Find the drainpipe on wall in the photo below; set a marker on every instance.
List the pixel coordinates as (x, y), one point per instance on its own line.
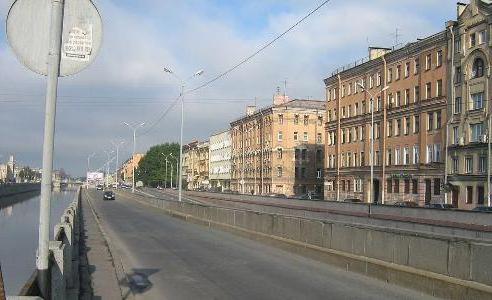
(449, 114)
(338, 135)
(383, 151)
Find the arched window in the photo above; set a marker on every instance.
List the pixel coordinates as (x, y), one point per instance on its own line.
(477, 68)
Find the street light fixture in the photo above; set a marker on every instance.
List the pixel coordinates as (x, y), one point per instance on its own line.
(371, 155)
(183, 83)
(134, 129)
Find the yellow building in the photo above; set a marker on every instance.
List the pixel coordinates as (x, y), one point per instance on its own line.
(126, 171)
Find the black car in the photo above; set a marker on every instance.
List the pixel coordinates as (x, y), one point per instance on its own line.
(108, 195)
(483, 208)
(440, 205)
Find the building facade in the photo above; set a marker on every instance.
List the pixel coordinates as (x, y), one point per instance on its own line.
(279, 149)
(220, 161)
(469, 111)
(126, 171)
(196, 165)
(408, 88)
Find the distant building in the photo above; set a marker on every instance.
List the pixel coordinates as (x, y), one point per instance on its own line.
(3, 173)
(126, 171)
(196, 165)
(220, 160)
(279, 149)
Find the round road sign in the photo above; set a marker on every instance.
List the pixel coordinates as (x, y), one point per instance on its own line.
(28, 30)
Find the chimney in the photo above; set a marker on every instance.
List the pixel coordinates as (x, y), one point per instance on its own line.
(460, 8)
(250, 110)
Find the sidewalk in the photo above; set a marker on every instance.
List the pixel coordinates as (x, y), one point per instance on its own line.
(98, 278)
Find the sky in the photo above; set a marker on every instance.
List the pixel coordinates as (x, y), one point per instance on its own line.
(126, 82)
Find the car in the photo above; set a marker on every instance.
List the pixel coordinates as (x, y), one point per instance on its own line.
(99, 187)
(406, 204)
(483, 208)
(308, 196)
(353, 200)
(109, 195)
(277, 195)
(440, 205)
(159, 187)
(115, 185)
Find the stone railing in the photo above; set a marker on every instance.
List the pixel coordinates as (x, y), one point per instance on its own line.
(64, 258)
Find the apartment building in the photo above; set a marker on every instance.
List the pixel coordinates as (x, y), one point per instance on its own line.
(220, 160)
(407, 86)
(469, 110)
(196, 165)
(279, 149)
(126, 171)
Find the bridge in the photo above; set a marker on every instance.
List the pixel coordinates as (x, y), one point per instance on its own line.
(149, 245)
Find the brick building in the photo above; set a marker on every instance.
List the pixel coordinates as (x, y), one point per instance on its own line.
(409, 88)
(279, 149)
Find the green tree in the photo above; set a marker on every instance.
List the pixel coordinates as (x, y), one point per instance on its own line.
(152, 168)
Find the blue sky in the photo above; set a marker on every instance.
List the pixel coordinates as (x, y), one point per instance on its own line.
(126, 82)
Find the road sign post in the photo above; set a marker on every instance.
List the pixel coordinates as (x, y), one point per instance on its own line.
(53, 38)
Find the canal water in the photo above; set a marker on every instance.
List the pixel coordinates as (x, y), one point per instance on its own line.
(19, 235)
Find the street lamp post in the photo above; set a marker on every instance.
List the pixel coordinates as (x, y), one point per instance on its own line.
(165, 176)
(117, 145)
(181, 95)
(108, 154)
(134, 129)
(89, 167)
(171, 155)
(371, 136)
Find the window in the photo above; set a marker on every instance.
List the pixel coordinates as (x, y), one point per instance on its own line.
(469, 195)
(480, 195)
(439, 58)
(389, 157)
(319, 138)
(407, 69)
(415, 186)
(295, 135)
(416, 124)
(377, 158)
(296, 119)
(407, 186)
(306, 120)
(416, 94)
(343, 112)
(281, 119)
(349, 109)
(406, 100)
(397, 186)
(389, 186)
(473, 40)
(476, 132)
(439, 88)
(319, 155)
(457, 75)
(482, 164)
(378, 104)
(406, 129)
(416, 66)
(481, 37)
(476, 101)
(362, 159)
(304, 154)
(343, 136)
(428, 90)
(378, 79)
(358, 185)
(406, 156)
(279, 153)
(279, 137)
(437, 186)
(303, 172)
(390, 100)
(430, 152)
(371, 81)
(398, 99)
(456, 137)
(363, 107)
(398, 127)
(458, 44)
(428, 62)
(456, 165)
(457, 105)
(389, 125)
(398, 72)
(477, 68)
(279, 171)
(306, 136)
(397, 156)
(356, 109)
(297, 154)
(430, 121)
(468, 164)
(320, 120)
(319, 174)
(438, 120)
(390, 74)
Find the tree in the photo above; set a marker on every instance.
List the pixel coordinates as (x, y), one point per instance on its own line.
(152, 167)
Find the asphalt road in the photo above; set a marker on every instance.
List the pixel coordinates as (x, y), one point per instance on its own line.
(173, 259)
